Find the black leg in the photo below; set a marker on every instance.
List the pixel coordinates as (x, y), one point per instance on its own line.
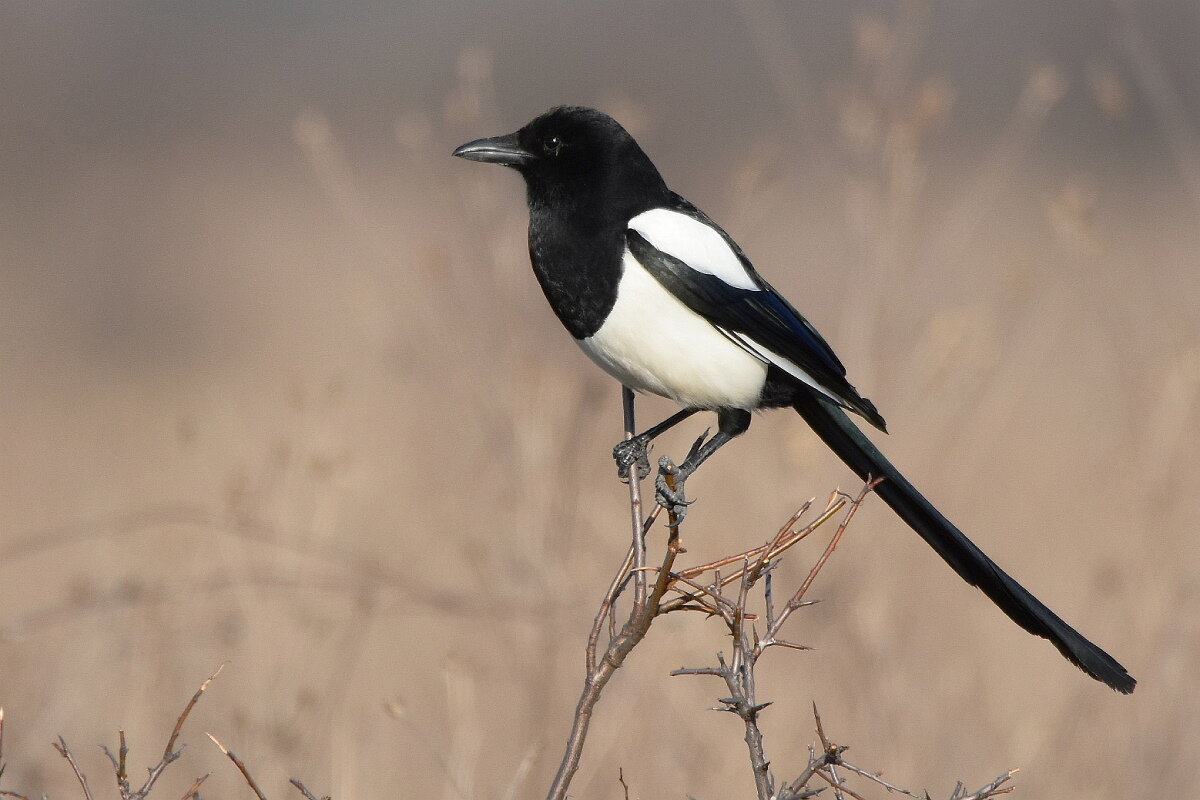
(731, 422)
(633, 451)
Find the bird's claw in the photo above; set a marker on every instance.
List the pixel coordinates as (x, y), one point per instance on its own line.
(629, 452)
(672, 499)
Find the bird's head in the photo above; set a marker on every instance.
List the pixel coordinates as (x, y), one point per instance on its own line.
(571, 148)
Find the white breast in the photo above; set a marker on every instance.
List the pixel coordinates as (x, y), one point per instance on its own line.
(654, 343)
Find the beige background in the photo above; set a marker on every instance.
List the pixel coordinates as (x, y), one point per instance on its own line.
(278, 388)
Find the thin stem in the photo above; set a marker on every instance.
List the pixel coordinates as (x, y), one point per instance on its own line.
(169, 752)
(784, 540)
(798, 598)
(193, 792)
(632, 632)
(635, 509)
(605, 610)
(241, 765)
(65, 752)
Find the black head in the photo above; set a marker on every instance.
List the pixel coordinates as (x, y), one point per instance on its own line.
(574, 150)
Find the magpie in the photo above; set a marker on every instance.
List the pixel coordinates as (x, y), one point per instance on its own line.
(663, 299)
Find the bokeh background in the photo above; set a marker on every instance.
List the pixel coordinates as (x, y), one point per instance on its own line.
(277, 388)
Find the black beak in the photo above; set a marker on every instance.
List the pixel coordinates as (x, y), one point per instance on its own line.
(496, 150)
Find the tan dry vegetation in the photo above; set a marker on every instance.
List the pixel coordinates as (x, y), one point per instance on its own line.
(296, 403)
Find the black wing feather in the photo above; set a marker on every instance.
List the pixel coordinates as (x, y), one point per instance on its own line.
(762, 316)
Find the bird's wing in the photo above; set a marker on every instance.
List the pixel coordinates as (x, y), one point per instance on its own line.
(705, 269)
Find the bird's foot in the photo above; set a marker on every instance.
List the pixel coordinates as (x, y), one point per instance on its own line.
(668, 487)
(629, 452)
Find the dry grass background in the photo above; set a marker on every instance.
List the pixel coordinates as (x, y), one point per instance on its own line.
(279, 389)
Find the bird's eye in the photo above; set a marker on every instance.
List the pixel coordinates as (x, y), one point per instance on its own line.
(551, 145)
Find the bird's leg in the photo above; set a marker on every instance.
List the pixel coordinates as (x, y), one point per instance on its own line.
(628, 452)
(730, 423)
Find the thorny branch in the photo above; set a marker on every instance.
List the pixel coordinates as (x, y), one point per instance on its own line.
(704, 588)
(169, 756)
(748, 647)
(647, 604)
(826, 764)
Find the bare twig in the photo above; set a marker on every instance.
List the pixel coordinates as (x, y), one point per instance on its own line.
(237, 762)
(170, 748)
(704, 588)
(194, 792)
(123, 753)
(646, 606)
(762, 555)
(65, 752)
(738, 671)
(118, 762)
(304, 790)
(635, 507)
(781, 536)
(632, 631)
(992, 789)
(824, 765)
(830, 758)
(875, 777)
(605, 610)
(839, 789)
(797, 599)
(170, 754)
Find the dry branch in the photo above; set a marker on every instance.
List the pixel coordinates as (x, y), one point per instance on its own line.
(705, 588)
(241, 765)
(65, 752)
(169, 756)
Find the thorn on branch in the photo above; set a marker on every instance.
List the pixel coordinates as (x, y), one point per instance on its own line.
(703, 589)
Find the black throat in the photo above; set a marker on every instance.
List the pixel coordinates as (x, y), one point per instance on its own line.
(576, 256)
(580, 202)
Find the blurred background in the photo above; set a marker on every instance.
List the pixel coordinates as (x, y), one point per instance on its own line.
(277, 388)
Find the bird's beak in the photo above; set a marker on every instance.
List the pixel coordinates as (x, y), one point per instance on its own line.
(496, 150)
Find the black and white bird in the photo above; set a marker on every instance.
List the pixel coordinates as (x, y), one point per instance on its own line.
(662, 299)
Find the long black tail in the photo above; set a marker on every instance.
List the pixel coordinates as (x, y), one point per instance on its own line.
(844, 438)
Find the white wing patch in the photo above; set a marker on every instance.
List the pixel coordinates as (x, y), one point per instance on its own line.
(694, 243)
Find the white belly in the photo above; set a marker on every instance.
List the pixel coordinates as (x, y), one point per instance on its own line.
(653, 343)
